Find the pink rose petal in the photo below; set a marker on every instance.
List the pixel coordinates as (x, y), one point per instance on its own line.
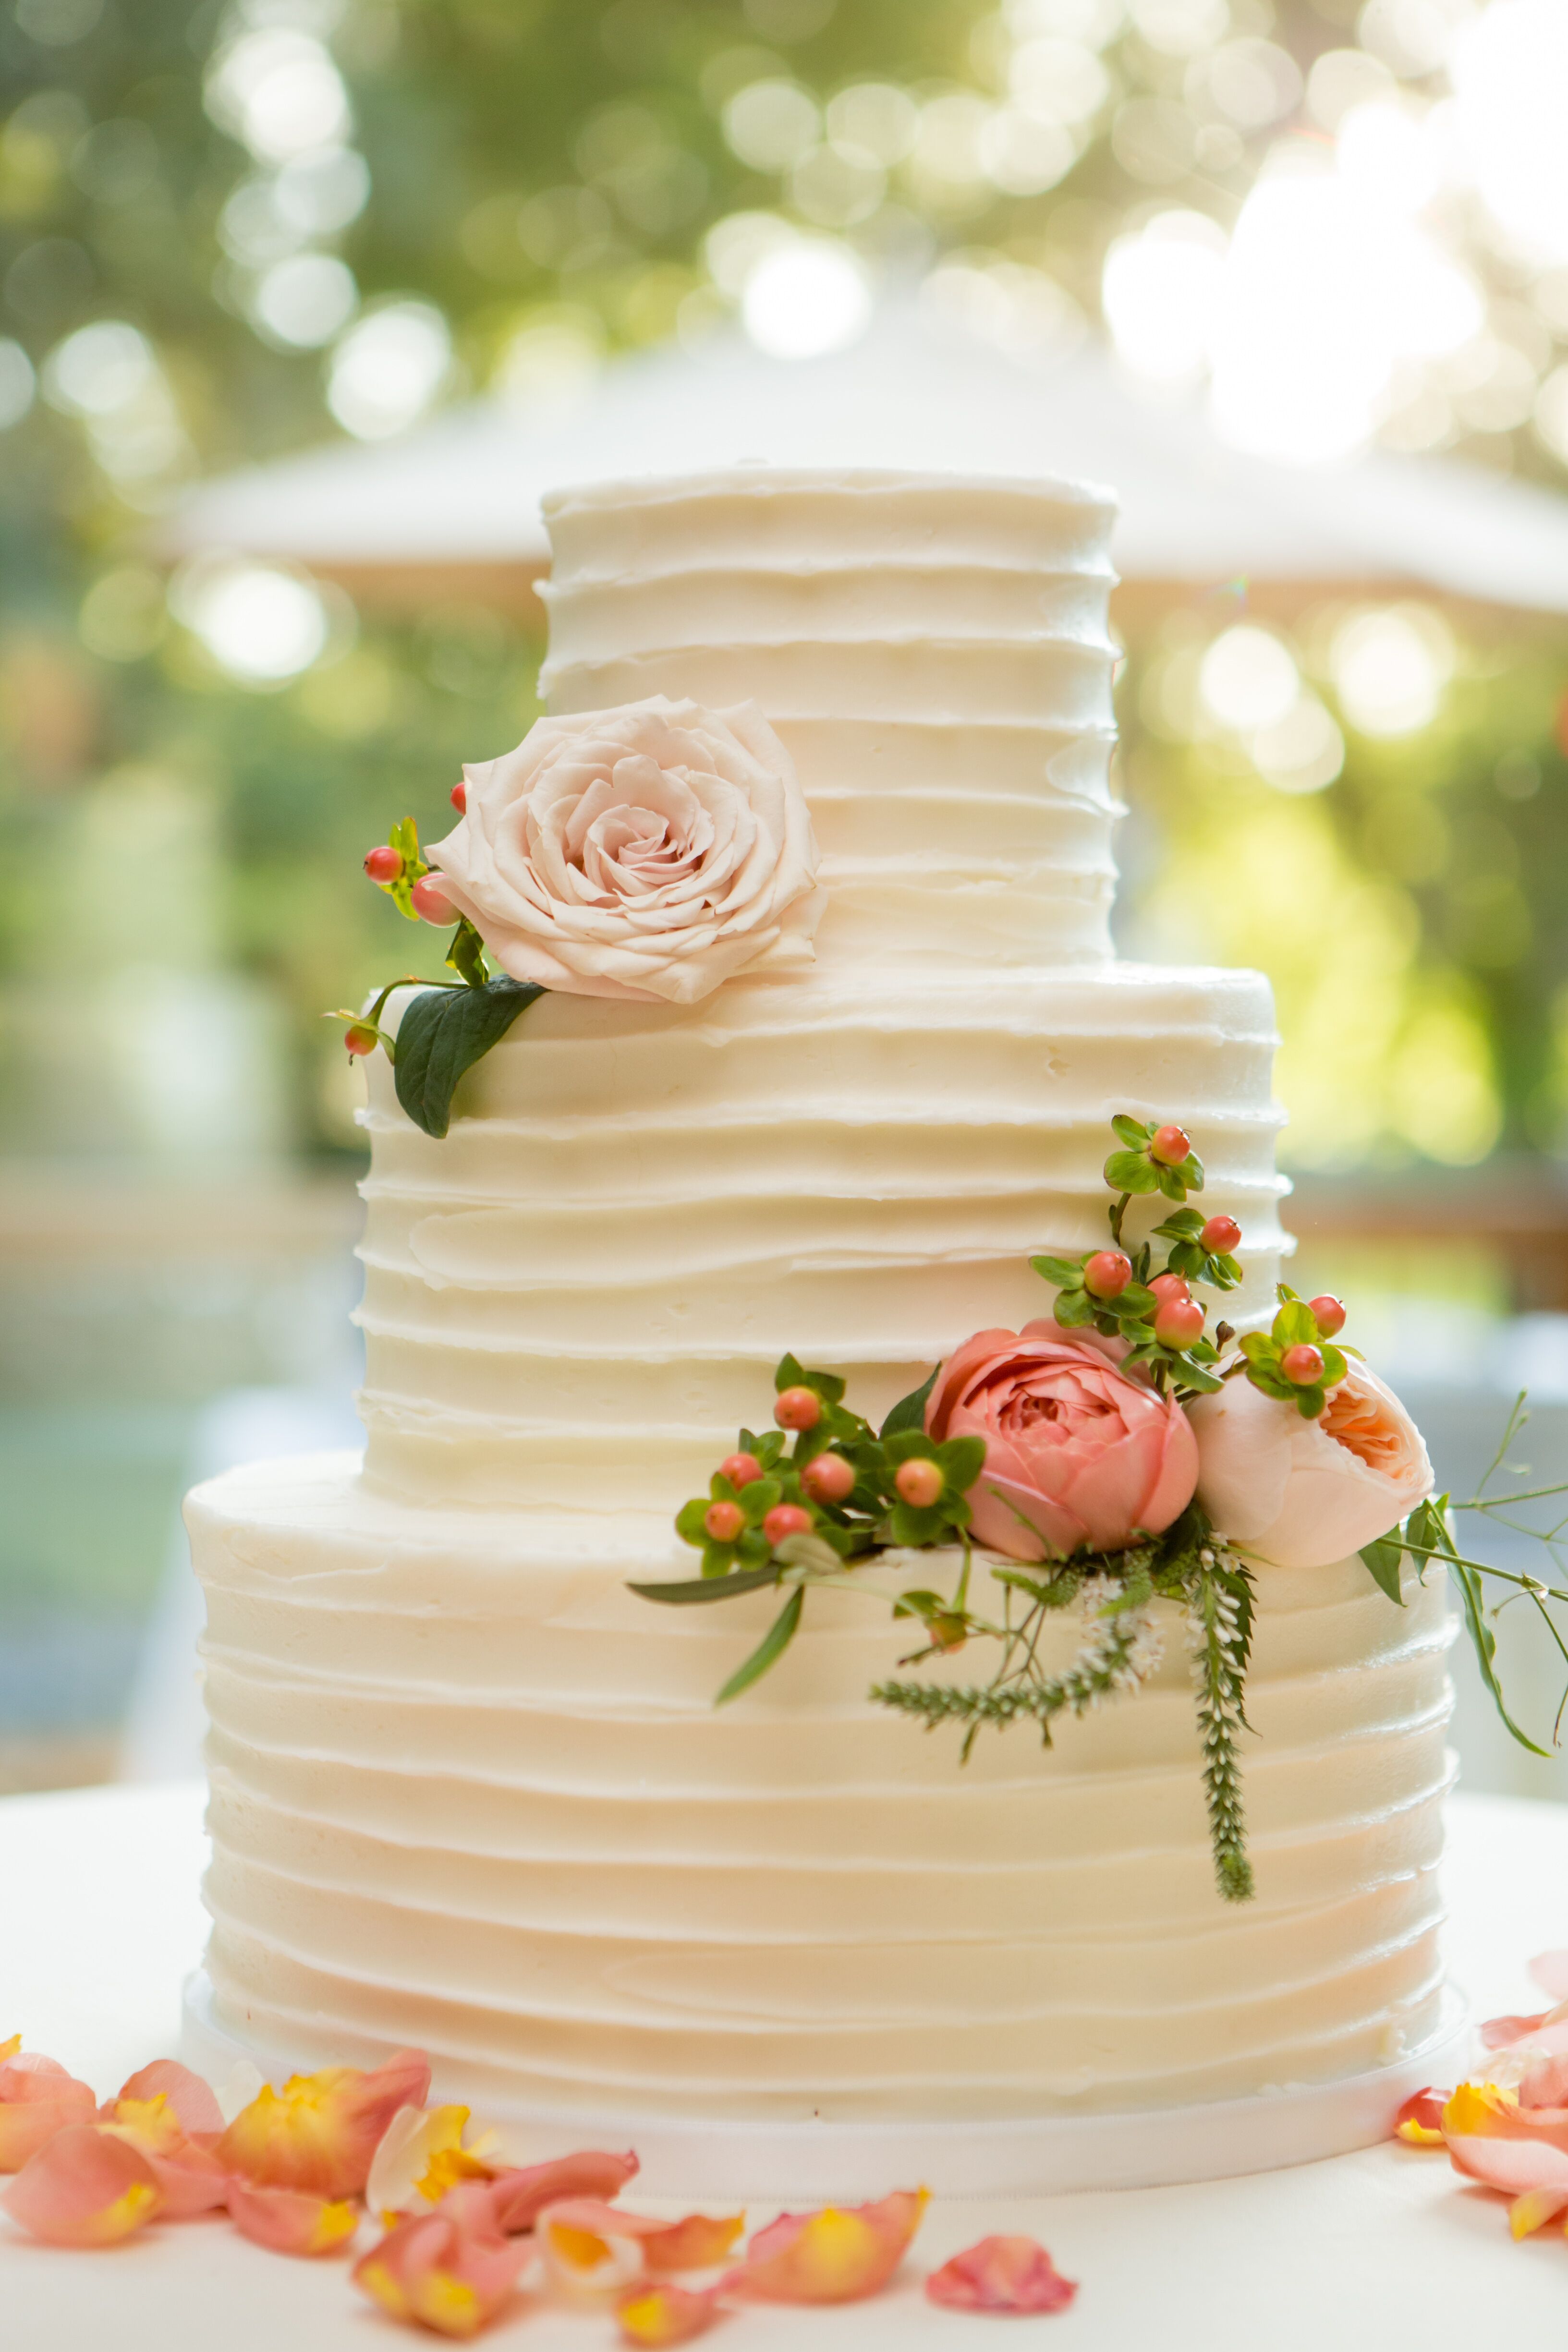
(1497, 2033)
(658, 2313)
(83, 2187)
(836, 2255)
(1000, 2275)
(192, 2101)
(37, 2098)
(520, 2195)
(292, 2220)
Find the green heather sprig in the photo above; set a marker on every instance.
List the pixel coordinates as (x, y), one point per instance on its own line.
(451, 1024)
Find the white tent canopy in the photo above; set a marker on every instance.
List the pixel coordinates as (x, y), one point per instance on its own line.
(464, 492)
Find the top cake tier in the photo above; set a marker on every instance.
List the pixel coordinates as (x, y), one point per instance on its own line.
(933, 652)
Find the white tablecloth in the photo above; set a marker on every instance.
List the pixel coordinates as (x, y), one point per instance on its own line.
(99, 1922)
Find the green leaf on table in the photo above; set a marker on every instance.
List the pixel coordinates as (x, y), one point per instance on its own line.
(771, 1648)
(443, 1033)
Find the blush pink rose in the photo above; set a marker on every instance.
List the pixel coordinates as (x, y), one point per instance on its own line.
(650, 851)
(1076, 1453)
(1303, 1494)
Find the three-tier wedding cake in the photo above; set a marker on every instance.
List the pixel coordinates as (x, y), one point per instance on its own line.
(469, 1790)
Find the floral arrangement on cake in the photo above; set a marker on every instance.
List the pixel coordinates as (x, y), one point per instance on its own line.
(1092, 1466)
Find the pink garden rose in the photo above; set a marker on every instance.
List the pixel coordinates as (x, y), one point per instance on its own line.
(1076, 1453)
(1303, 1494)
(651, 851)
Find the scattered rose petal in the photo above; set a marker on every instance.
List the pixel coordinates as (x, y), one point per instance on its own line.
(661, 2314)
(420, 2157)
(37, 2098)
(699, 2242)
(836, 2255)
(1535, 2208)
(189, 2177)
(83, 2187)
(593, 2250)
(1497, 2033)
(519, 2195)
(320, 2132)
(192, 2101)
(1419, 2122)
(1000, 2275)
(1544, 2081)
(1495, 2141)
(292, 2220)
(450, 2270)
(1549, 1971)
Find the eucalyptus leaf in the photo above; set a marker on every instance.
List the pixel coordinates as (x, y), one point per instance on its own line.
(443, 1033)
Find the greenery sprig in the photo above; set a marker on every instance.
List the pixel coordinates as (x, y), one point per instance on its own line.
(451, 1024)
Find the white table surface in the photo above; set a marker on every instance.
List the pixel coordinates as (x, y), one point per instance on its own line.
(99, 1922)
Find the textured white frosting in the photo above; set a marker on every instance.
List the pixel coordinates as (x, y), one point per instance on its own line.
(470, 1792)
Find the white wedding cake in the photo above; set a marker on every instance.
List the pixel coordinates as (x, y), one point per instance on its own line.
(469, 1790)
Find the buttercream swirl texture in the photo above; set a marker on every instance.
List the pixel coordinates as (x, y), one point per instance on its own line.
(469, 1791)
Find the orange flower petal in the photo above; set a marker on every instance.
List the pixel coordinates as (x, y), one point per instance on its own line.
(83, 2187)
(1419, 2122)
(37, 2098)
(662, 2313)
(833, 2256)
(449, 2270)
(292, 2220)
(1000, 2275)
(698, 2243)
(320, 2132)
(191, 2101)
(519, 2195)
(1535, 2208)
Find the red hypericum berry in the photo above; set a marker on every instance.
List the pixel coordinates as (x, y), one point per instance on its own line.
(739, 1468)
(384, 863)
(1220, 1236)
(1302, 1364)
(1329, 1313)
(786, 1519)
(1169, 1286)
(919, 1482)
(360, 1038)
(798, 1409)
(1107, 1273)
(1179, 1322)
(431, 901)
(828, 1479)
(1170, 1146)
(723, 1521)
(460, 799)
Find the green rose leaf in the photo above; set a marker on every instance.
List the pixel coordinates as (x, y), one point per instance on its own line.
(443, 1033)
(1381, 1560)
(1132, 1171)
(1067, 1273)
(910, 1413)
(1073, 1307)
(962, 1459)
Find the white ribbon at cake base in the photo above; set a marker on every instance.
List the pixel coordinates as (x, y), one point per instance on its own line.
(817, 2163)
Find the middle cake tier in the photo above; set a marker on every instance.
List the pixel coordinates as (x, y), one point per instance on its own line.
(577, 1296)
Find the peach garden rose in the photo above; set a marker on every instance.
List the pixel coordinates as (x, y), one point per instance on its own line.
(1303, 1494)
(651, 851)
(1077, 1454)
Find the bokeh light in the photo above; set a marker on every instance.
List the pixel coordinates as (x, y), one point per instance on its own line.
(304, 301)
(809, 296)
(17, 383)
(389, 370)
(1248, 679)
(1390, 668)
(278, 90)
(261, 623)
(1510, 69)
(1160, 292)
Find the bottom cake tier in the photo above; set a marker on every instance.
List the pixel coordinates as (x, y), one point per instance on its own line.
(470, 1792)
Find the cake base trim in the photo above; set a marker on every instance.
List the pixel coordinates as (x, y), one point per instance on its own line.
(1037, 2156)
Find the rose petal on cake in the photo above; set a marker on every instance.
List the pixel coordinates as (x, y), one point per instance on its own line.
(37, 2098)
(1000, 2275)
(193, 2102)
(1549, 1971)
(663, 2314)
(1419, 2122)
(1534, 2209)
(836, 2255)
(292, 2220)
(320, 2132)
(450, 2270)
(83, 2187)
(699, 2242)
(521, 2194)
